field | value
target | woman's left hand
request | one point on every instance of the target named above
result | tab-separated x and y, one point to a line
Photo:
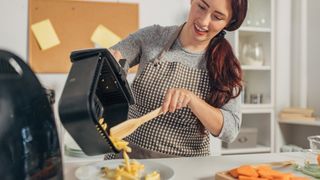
177	98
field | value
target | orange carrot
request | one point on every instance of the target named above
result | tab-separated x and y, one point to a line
264	167
265	173
318	159
262	172
282	176
234	173
247	170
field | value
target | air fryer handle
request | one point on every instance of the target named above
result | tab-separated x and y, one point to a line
85	53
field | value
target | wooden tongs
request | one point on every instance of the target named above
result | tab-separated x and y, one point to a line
126	128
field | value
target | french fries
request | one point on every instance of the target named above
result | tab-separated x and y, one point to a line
153	176
129	169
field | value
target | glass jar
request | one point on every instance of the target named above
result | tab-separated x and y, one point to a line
252	54
257	54
313	153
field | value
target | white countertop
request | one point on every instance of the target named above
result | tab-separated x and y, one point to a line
198	168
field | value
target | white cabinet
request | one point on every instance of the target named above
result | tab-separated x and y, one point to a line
253	44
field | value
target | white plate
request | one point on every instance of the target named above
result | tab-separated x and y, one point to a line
92	171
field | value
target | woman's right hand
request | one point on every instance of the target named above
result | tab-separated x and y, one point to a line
116	54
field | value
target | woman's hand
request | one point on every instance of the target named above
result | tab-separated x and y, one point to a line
177	98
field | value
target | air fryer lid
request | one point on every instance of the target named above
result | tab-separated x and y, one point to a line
96	89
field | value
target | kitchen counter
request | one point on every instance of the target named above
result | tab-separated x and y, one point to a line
198	168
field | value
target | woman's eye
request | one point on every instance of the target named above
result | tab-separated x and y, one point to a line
218	17
201	7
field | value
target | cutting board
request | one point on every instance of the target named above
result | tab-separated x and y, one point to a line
224	176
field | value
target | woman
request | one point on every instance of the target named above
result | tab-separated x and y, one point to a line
193	74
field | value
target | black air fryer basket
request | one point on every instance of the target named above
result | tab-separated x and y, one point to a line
96	89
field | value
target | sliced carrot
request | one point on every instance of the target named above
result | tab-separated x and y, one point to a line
265	173
318	159
234	173
282	176
247	170
264	167
245	178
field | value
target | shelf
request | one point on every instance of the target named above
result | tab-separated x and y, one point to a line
255	106
258	149
256	110
255	29
259	78
255	67
301	122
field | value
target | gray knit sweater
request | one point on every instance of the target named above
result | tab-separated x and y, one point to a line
144	45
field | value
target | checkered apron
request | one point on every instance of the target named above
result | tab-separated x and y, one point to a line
173	134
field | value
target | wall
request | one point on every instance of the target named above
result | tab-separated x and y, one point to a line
14	18
313	60
305	54
305	65
282	63
13	31
296	53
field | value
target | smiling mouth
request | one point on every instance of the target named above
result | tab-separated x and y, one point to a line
199	30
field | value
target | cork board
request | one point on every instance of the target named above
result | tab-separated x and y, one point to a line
74	22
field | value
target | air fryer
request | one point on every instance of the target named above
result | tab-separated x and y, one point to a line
96	93
29	144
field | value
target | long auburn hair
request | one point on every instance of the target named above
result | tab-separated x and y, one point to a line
223	67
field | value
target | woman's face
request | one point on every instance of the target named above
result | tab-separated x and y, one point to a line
207	18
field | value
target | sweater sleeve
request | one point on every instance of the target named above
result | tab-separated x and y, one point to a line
132	46
231	120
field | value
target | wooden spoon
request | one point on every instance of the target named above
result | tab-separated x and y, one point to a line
126	128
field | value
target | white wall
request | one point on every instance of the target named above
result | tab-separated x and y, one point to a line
304	68
305	54
282	63
313	55
296	52
14	19
13	30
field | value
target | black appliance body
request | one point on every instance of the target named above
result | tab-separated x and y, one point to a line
96	94
29	144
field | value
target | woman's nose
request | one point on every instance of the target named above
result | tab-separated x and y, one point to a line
205	19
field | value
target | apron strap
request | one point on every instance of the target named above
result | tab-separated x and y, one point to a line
169	44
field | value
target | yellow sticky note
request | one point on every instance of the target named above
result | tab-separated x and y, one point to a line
104	37
45	34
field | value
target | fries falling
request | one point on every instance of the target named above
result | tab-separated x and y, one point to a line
129	169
